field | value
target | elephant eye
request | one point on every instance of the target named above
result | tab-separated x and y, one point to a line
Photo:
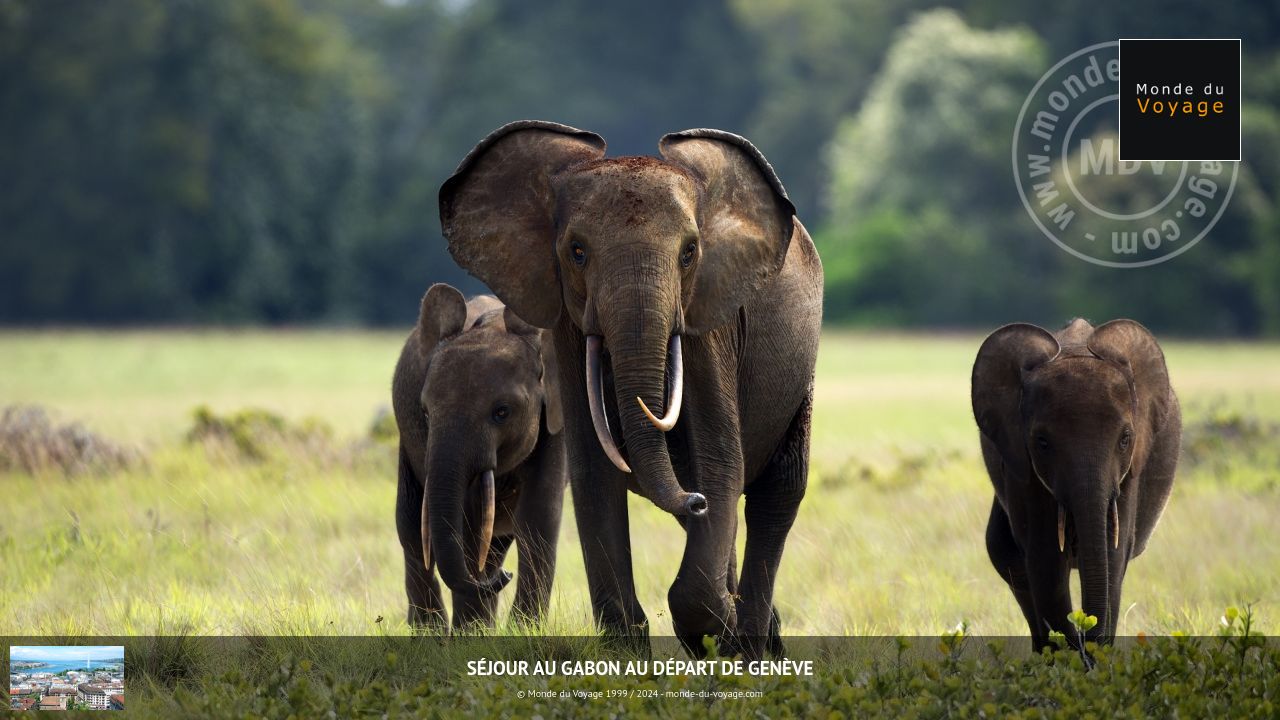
578	252
687	255
1042	442
1125	440
500	413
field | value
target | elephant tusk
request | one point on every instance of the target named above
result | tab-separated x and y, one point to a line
595	398
1115	524
675	363
486	520
1062	529
426	533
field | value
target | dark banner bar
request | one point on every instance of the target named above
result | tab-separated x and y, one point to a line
201	676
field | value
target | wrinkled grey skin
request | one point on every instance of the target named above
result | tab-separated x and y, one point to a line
462	361
1084	420
701	244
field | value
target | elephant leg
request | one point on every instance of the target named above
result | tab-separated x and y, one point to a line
728	645
1049	575
600	510
426	603
773	501
1010	563
1118	568
599	503
470	609
731	574
537	521
700	597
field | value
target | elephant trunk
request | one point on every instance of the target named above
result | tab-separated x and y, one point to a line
642	376
638	319
446	488
1094	534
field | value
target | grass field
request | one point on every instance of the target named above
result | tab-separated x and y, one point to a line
889	539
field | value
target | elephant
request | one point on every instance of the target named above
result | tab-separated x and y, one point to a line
684	299
482	460
1080	433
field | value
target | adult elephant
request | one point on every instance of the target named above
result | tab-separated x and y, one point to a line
685	301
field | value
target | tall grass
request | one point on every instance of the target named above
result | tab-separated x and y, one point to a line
888	541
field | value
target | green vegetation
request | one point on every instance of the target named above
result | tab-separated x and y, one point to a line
1230	675
277	161
922	232
279	520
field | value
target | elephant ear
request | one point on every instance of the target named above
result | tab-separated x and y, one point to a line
442	315
1133	347
497	211
996	391
745	219
541	341
551	385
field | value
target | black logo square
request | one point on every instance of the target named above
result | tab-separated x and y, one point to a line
1179	100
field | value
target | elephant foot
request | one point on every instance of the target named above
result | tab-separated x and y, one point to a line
697	613
633	644
427	620
775	646
696	644
624	630
754	646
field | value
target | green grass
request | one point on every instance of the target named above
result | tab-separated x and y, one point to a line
889	539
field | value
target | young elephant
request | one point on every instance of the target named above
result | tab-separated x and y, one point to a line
1080	434
480	433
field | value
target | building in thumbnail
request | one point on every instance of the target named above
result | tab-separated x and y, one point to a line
92	695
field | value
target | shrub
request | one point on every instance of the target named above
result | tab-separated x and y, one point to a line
30	442
257	435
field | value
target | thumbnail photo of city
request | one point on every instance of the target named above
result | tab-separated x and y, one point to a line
66	677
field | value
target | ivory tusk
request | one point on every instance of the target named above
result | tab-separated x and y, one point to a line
426	533
675	362
1115	524
486	520
595	398
1062	529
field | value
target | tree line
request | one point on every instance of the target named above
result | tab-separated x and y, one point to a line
277	161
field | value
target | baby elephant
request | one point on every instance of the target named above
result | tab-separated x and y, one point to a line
482	460
1080	433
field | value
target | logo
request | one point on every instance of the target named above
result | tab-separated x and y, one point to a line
1082	196
1180	100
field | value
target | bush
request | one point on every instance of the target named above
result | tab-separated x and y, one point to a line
1234	448
258	436
252	433
30	442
